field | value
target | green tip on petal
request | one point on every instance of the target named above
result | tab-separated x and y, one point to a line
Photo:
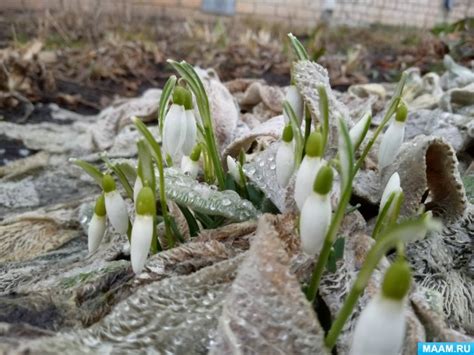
146	204
287	135
196	153
397	280
402	112
183	97
323	182
99	209
314	145
108	183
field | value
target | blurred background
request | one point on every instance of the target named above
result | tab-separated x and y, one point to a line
81	54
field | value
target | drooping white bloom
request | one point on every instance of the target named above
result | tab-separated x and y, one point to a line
234	169
174	132
391	142
97	225
117	211
380	328
295	100
115	205
142	231
189	166
308	169
393	137
381	325
96	232
314	222
285	158
285	163
393	185
359	131
137	187
191	132
305	177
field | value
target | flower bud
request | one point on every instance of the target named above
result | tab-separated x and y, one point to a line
137	187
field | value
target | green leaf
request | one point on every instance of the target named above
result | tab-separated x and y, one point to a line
120	174
192	223
346	154
164	100
298	48
90	169
205	199
324	112
145	168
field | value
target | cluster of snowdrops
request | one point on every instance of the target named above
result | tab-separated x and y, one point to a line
188	143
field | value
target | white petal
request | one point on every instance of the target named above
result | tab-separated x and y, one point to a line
95	232
305	179
174	132
189	166
137	187
285	163
314	223
233	168
295	100
393	185
391	142
116	211
191	133
357	131
380	328
142	233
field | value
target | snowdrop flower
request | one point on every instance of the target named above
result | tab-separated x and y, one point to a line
393	138
381	325
190	164
97	225
142	231
393	186
316	213
295	100
309	168
285	157
191	132
137	187
359	131
115	205
176	124
234	169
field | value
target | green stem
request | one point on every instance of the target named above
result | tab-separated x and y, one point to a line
164	205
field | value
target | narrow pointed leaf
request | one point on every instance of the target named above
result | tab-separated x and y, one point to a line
90	169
